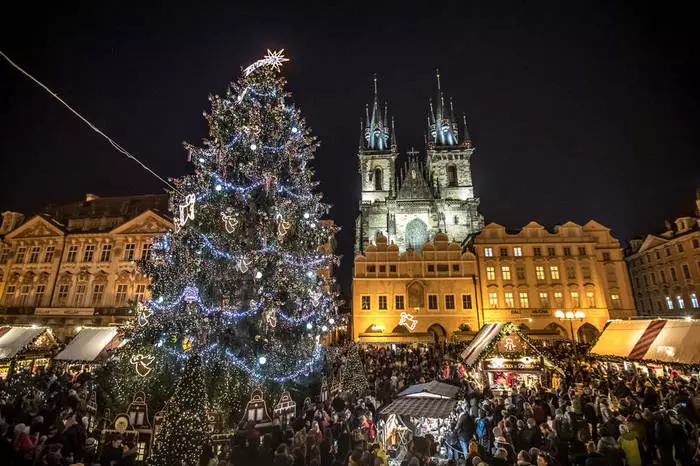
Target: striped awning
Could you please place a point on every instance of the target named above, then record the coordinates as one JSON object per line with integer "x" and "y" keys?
{"x": 439, "y": 408}
{"x": 619, "y": 338}
{"x": 480, "y": 342}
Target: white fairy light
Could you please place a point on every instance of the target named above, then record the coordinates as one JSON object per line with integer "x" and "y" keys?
{"x": 253, "y": 146}
{"x": 262, "y": 360}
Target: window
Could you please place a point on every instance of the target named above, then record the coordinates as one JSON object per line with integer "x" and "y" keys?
{"x": 365, "y": 303}
{"x": 4, "y": 253}
{"x": 590, "y": 299}
{"x": 586, "y": 271}
{"x": 488, "y": 252}
{"x": 505, "y": 272}
{"x": 554, "y": 271}
{"x": 120, "y": 295}
{"x": 392, "y": 268}
{"x": 674, "y": 277}
{"x": 537, "y": 252}
{"x": 518, "y": 251}
{"x": 432, "y": 301}
{"x": 539, "y": 271}
{"x": 466, "y": 301}
{"x": 551, "y": 252}
{"x": 606, "y": 256}
{"x": 696, "y": 243}
{"x": 140, "y": 292}
{"x": 669, "y": 303}
{"x": 510, "y": 301}
{"x": 89, "y": 253}
{"x": 680, "y": 248}
{"x": 558, "y": 299}
{"x": 383, "y": 303}
{"x": 658, "y": 255}
{"x": 653, "y": 278}
{"x": 694, "y": 300}
{"x": 520, "y": 272}
{"x": 575, "y": 299}
{"x": 449, "y": 301}
{"x": 490, "y": 273}
{"x": 80, "y": 291}
{"x": 581, "y": 251}
{"x": 493, "y": 299}
{"x": 667, "y": 251}
{"x": 686, "y": 271}
{"x": 129, "y": 250}
{"x": 544, "y": 299}
{"x": 21, "y": 252}
{"x": 398, "y": 300}
{"x": 382, "y": 268}
{"x": 371, "y": 268}
{"x": 504, "y": 252}
{"x": 106, "y": 253}
{"x": 567, "y": 251}
{"x": 24, "y": 295}
{"x": 98, "y": 292}
{"x": 681, "y": 303}
{"x": 646, "y": 280}
{"x": 378, "y": 179}
{"x": 451, "y": 175}
{"x": 34, "y": 255}
{"x": 456, "y": 220}
{"x": 442, "y": 268}
{"x": 524, "y": 299}
{"x": 616, "y": 302}
{"x": 62, "y": 295}
{"x": 48, "y": 256}
{"x": 10, "y": 295}
{"x": 431, "y": 268}
{"x": 146, "y": 251}
{"x": 455, "y": 267}
{"x": 571, "y": 272}
{"x": 39, "y": 294}
{"x": 72, "y": 252}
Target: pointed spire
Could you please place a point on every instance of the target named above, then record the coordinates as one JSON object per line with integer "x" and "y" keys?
{"x": 362, "y": 134}
{"x": 443, "y": 127}
{"x": 467, "y": 137}
{"x": 437, "y": 75}
{"x": 376, "y": 131}
{"x": 393, "y": 133}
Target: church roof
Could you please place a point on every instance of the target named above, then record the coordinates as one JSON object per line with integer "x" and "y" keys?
{"x": 414, "y": 185}
{"x": 375, "y": 133}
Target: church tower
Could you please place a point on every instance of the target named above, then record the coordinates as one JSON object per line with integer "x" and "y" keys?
{"x": 449, "y": 162}
{"x": 377, "y": 152}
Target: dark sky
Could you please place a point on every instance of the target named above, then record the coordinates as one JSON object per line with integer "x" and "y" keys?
{"x": 578, "y": 110}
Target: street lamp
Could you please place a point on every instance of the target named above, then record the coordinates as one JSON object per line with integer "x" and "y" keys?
{"x": 570, "y": 316}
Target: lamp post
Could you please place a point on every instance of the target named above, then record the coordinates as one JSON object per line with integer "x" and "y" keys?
{"x": 570, "y": 316}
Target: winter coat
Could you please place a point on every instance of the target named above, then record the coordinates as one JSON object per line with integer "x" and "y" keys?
{"x": 630, "y": 446}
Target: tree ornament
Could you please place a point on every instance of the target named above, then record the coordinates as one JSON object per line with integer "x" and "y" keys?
{"x": 186, "y": 344}
{"x": 142, "y": 314}
{"x": 186, "y": 210}
{"x": 190, "y": 294}
{"x": 142, "y": 363}
{"x": 282, "y": 225}
{"x": 271, "y": 318}
{"x": 230, "y": 222}
{"x": 243, "y": 264}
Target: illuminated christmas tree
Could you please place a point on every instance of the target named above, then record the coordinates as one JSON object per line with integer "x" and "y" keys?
{"x": 354, "y": 380}
{"x": 241, "y": 281}
{"x": 183, "y": 433}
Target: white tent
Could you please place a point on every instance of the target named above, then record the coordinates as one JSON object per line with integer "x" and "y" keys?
{"x": 16, "y": 339}
{"x": 87, "y": 344}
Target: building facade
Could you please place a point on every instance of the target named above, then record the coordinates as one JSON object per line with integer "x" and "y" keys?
{"x": 528, "y": 276}
{"x": 429, "y": 195}
{"x": 75, "y": 265}
{"x": 665, "y": 269}
{"x": 414, "y": 295}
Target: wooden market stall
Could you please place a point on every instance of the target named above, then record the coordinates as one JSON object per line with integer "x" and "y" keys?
{"x": 89, "y": 347}
{"x": 658, "y": 345}
{"x": 22, "y": 347}
{"x": 502, "y": 357}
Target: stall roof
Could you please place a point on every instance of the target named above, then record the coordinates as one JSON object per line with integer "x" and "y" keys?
{"x": 397, "y": 338}
{"x": 481, "y": 341}
{"x": 420, "y": 407}
{"x": 667, "y": 341}
{"x": 433, "y": 389}
{"x": 16, "y": 339}
{"x": 88, "y": 344}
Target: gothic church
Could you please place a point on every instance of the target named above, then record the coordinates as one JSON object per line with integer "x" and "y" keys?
{"x": 429, "y": 195}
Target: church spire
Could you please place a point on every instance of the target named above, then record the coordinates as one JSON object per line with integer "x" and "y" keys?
{"x": 376, "y": 129}
{"x": 442, "y": 126}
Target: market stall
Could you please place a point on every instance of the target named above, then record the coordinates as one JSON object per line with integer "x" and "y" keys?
{"x": 658, "y": 345}
{"x": 22, "y": 347}
{"x": 502, "y": 357}
{"x": 89, "y": 347}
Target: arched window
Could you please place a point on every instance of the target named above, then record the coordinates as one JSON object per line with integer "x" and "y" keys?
{"x": 451, "y": 175}
{"x": 378, "y": 179}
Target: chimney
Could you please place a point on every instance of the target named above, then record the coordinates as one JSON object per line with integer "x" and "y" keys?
{"x": 10, "y": 221}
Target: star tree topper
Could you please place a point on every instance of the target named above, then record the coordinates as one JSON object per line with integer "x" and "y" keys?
{"x": 273, "y": 59}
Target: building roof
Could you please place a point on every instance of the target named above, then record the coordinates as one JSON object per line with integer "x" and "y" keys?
{"x": 432, "y": 389}
{"x": 87, "y": 345}
{"x": 420, "y": 407}
{"x": 16, "y": 339}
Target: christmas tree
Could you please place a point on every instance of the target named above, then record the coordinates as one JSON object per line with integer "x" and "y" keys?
{"x": 183, "y": 432}
{"x": 242, "y": 280}
{"x": 353, "y": 379}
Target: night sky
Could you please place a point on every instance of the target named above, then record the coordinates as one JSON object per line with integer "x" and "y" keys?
{"x": 578, "y": 110}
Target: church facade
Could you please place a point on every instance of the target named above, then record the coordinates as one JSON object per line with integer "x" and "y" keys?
{"x": 427, "y": 195}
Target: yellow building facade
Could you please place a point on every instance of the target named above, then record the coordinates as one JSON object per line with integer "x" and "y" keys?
{"x": 413, "y": 296}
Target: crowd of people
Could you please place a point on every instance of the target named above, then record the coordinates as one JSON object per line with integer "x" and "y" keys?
{"x": 597, "y": 415}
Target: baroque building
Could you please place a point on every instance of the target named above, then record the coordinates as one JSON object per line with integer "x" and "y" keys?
{"x": 429, "y": 195}
{"x": 75, "y": 265}
{"x": 665, "y": 268}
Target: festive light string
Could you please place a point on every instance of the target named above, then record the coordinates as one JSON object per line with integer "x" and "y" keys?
{"x": 86, "y": 121}
{"x": 302, "y": 369}
{"x": 290, "y": 259}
